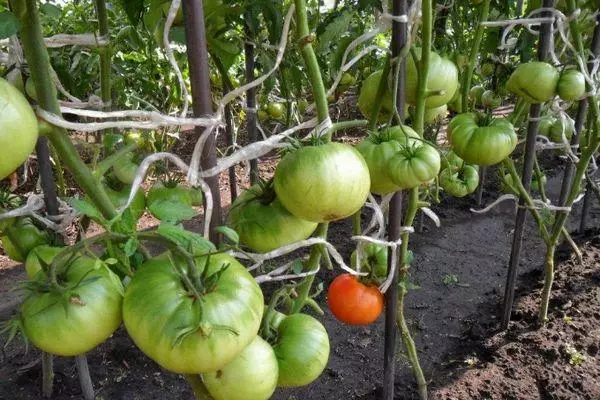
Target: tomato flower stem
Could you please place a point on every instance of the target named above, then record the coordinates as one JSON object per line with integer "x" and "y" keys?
{"x": 483, "y": 16}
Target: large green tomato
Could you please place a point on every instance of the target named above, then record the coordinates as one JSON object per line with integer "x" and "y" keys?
{"x": 415, "y": 164}
{"x": 461, "y": 182}
{"x": 368, "y": 93}
{"x": 185, "y": 334}
{"x": 534, "y": 81}
{"x": 252, "y": 375}
{"x": 29, "y": 237}
{"x": 276, "y": 110}
{"x": 302, "y": 350}
{"x": 545, "y": 124}
{"x": 377, "y": 149}
{"x": 452, "y": 160}
{"x": 18, "y": 129}
{"x": 263, "y": 223}
{"x": 571, "y": 85}
{"x": 558, "y": 129}
{"x": 490, "y": 100}
{"x": 125, "y": 169}
{"x": 167, "y": 191}
{"x": 41, "y": 254}
{"x": 74, "y": 322}
{"x": 375, "y": 260}
{"x": 433, "y": 115}
{"x": 443, "y": 76}
{"x": 481, "y": 143}
{"x": 476, "y": 93}
{"x": 323, "y": 183}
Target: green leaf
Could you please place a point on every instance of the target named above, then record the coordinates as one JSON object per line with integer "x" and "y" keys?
{"x": 297, "y": 267}
{"x": 133, "y": 9}
{"x": 191, "y": 241}
{"x": 131, "y": 246}
{"x": 171, "y": 211}
{"x": 50, "y": 10}
{"x": 228, "y": 233}
{"x": 9, "y": 24}
{"x": 335, "y": 30}
{"x": 87, "y": 209}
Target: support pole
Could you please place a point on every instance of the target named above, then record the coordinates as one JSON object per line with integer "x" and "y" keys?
{"x": 251, "y": 98}
{"x": 532, "y": 130}
{"x": 197, "y": 52}
{"x": 399, "y": 37}
{"x": 482, "y": 177}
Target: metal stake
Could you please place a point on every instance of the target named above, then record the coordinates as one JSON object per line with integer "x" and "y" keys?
{"x": 532, "y": 130}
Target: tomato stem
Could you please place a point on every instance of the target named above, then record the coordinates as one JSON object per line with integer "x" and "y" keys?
{"x": 103, "y": 166}
{"x": 381, "y": 90}
{"x": 423, "y": 66}
{"x": 483, "y": 16}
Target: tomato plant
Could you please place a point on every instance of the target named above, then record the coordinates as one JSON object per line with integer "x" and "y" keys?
{"x": 459, "y": 182}
{"x": 353, "y": 302}
{"x": 534, "y": 81}
{"x": 443, "y": 78}
{"x": 414, "y": 164}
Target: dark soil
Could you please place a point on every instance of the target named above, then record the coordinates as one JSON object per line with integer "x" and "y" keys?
{"x": 455, "y": 326}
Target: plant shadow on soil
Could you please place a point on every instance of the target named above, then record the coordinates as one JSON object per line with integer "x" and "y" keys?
{"x": 455, "y": 326}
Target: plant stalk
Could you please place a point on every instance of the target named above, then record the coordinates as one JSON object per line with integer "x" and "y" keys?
{"x": 85, "y": 381}
{"x": 47, "y": 374}
{"x": 198, "y": 387}
{"x": 426, "y": 29}
{"x": 483, "y": 16}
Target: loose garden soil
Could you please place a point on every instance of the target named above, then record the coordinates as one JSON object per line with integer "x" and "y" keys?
{"x": 455, "y": 325}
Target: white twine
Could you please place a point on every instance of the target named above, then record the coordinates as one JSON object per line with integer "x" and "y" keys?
{"x": 537, "y": 205}
{"x": 276, "y": 274}
{"x": 173, "y": 9}
{"x": 35, "y": 203}
{"x": 61, "y": 40}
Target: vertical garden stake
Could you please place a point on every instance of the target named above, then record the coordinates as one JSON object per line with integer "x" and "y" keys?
{"x": 399, "y": 35}
{"x": 197, "y": 51}
{"x": 532, "y": 130}
{"x": 579, "y": 122}
{"x": 105, "y": 60}
{"x": 250, "y": 96}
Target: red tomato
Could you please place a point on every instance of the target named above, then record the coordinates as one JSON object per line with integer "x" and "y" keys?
{"x": 353, "y": 302}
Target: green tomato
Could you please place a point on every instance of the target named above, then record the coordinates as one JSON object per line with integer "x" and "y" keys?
{"x": 415, "y": 164}
{"x": 534, "y": 81}
{"x": 571, "y": 85}
{"x": 302, "y": 105}
{"x": 443, "y": 77}
{"x": 169, "y": 192}
{"x": 252, "y": 375}
{"x": 375, "y": 260}
{"x": 368, "y": 93}
{"x": 29, "y": 237}
{"x": 557, "y": 129}
{"x": 377, "y": 149}
{"x": 263, "y": 223}
{"x": 461, "y": 182}
{"x": 433, "y": 115}
{"x": 263, "y": 115}
{"x": 462, "y": 60}
{"x": 276, "y": 110}
{"x": 545, "y": 124}
{"x": 335, "y": 186}
{"x": 197, "y": 196}
{"x": 490, "y": 100}
{"x": 18, "y": 129}
{"x": 487, "y": 70}
{"x": 476, "y": 93}
{"x": 479, "y": 143}
{"x": 30, "y": 89}
{"x": 455, "y": 104}
{"x": 509, "y": 187}
{"x": 184, "y": 334}
{"x": 347, "y": 79}
{"x": 74, "y": 322}
{"x": 452, "y": 160}
{"x": 302, "y": 350}
{"x": 125, "y": 169}
{"x": 41, "y": 254}
{"x": 15, "y": 78}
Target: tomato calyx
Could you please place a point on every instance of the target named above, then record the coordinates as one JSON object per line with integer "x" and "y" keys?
{"x": 264, "y": 192}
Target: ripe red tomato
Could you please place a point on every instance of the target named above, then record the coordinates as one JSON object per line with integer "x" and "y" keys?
{"x": 353, "y": 302}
